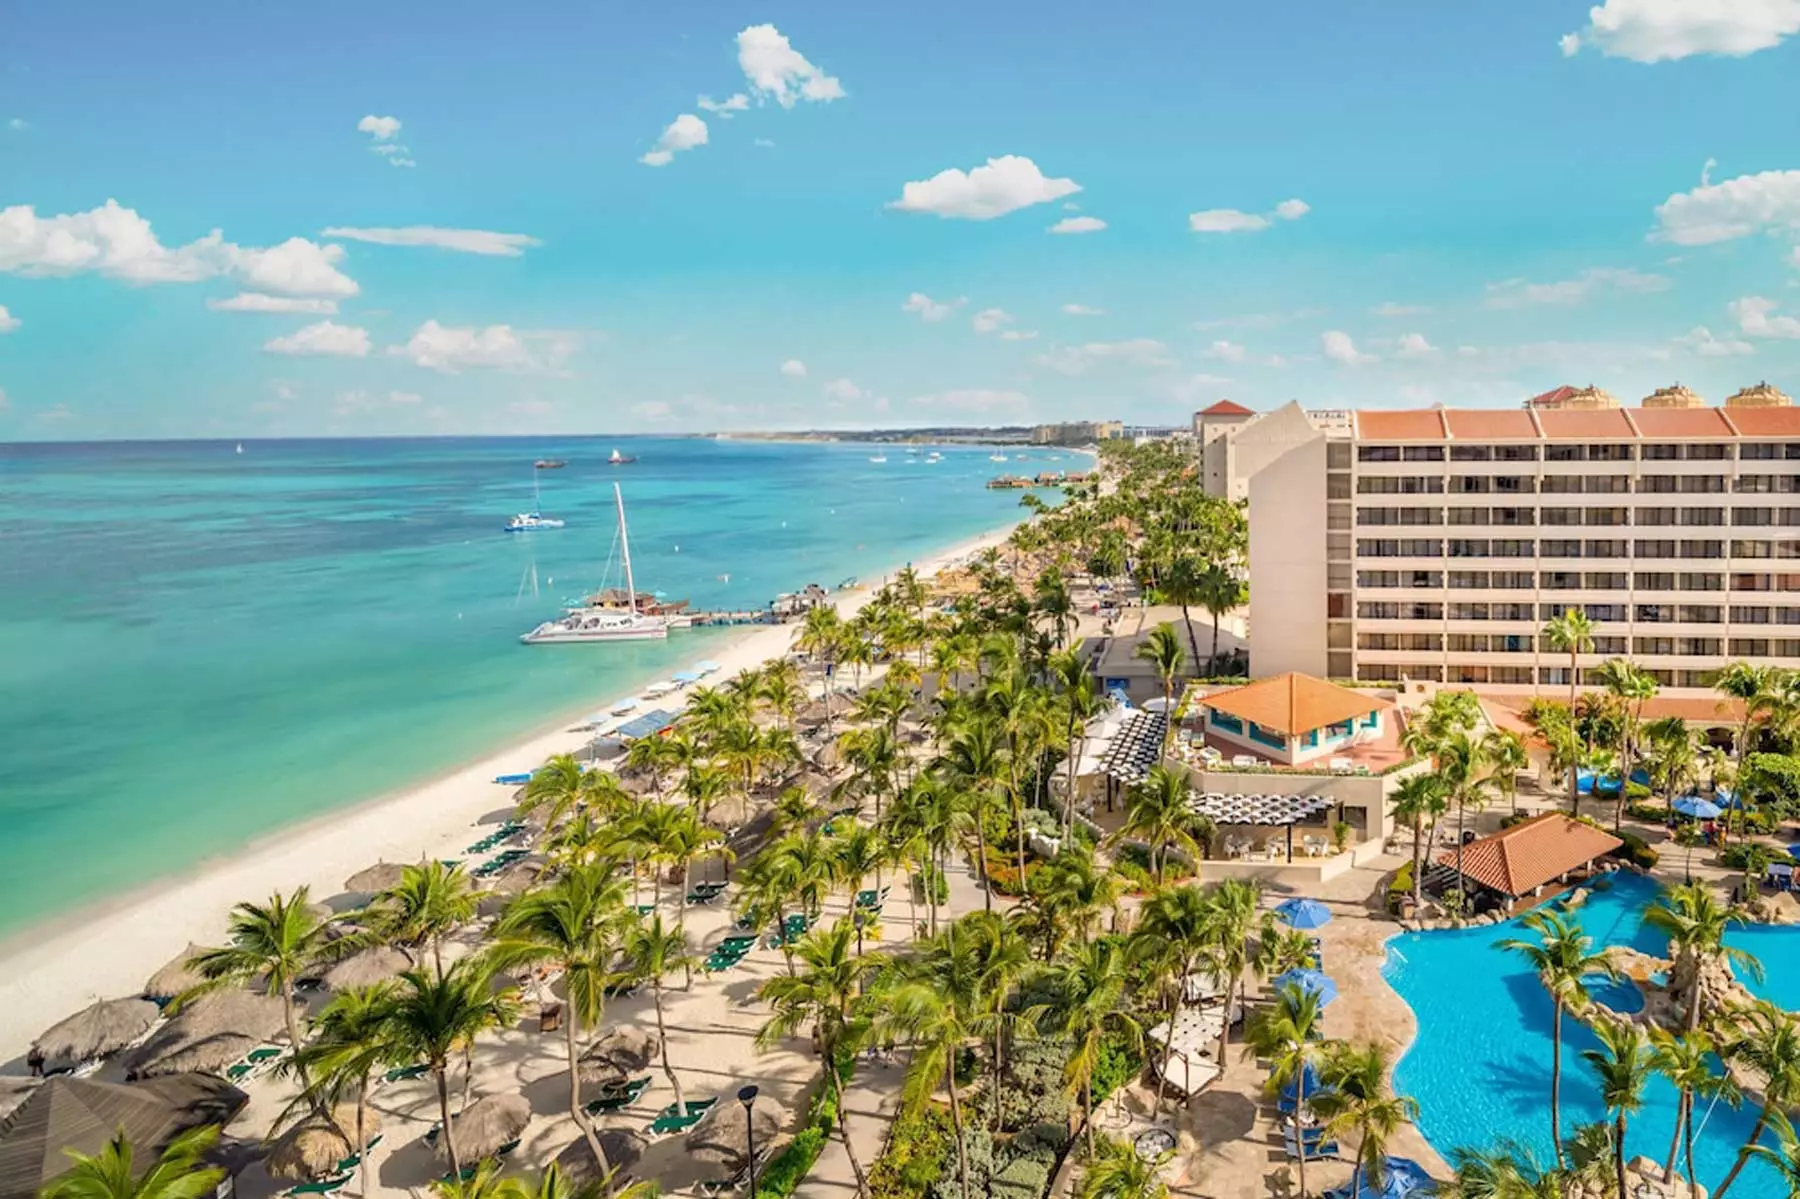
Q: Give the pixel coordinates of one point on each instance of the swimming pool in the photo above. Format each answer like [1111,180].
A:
[1480,1068]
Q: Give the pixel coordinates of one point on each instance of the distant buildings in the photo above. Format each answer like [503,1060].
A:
[1078,432]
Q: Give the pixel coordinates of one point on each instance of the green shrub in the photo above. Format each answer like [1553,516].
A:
[1118,1064]
[788,1168]
[1399,888]
[1022,1178]
[1636,850]
[915,1158]
[1515,818]
[1737,857]
[1650,813]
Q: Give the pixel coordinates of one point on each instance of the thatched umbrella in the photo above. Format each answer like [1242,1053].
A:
[521,876]
[623,1147]
[314,1147]
[828,756]
[637,783]
[487,1124]
[382,876]
[93,1032]
[176,978]
[731,812]
[374,965]
[722,1138]
[620,1052]
[210,1034]
[816,784]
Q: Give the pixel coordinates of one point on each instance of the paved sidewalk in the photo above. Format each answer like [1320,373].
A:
[873,1100]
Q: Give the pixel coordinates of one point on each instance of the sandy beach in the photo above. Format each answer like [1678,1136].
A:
[48,972]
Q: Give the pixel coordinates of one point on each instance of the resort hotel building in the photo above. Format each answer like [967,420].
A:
[1432,545]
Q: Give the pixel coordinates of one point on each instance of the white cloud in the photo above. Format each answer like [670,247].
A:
[451,349]
[843,391]
[1570,44]
[8,322]
[1665,30]
[326,339]
[18,124]
[978,399]
[1702,342]
[793,368]
[1078,224]
[1715,212]
[253,301]
[1232,220]
[1755,318]
[1413,347]
[1019,335]
[929,310]
[1082,310]
[1521,293]
[405,397]
[1224,351]
[1338,347]
[683,133]
[723,109]
[989,320]
[1006,184]
[382,129]
[464,241]
[1139,351]
[778,71]
[1390,308]
[117,242]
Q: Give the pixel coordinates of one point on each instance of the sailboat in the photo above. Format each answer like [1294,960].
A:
[604,624]
[532,521]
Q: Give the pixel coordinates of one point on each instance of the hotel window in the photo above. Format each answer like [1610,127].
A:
[1606,484]
[1561,518]
[1660,453]
[1561,485]
[1698,647]
[1470,485]
[1694,678]
[1653,549]
[1466,516]
[1605,580]
[1562,580]
[1707,452]
[1606,612]
[1751,582]
[1703,549]
[1468,611]
[1753,517]
[1515,453]
[1337,607]
[1512,675]
[1511,643]
[1552,548]
[1423,453]
[1749,647]
[1609,645]
[1416,611]
[1337,486]
[1511,611]
[1656,613]
[1752,549]
[1468,643]
[1468,580]
[1604,549]
[1609,453]
[1378,578]
[1653,581]
[1654,517]
[1754,450]
[1512,549]
[1378,453]
[1565,453]
[1700,613]
[1605,517]
[1709,517]
[1557,676]
[1787,582]
[1337,455]
[1653,645]
[1657,484]
[1429,580]
[1691,581]
[1416,547]
[1512,580]
[1471,453]
[1787,517]
[1513,484]
[1747,615]
[1515,516]
[1698,484]
[1382,610]
[1463,548]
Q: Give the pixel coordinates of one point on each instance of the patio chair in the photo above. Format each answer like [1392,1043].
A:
[1316,1146]
[614,1099]
[320,1186]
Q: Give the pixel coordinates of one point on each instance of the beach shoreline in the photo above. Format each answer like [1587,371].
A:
[108,948]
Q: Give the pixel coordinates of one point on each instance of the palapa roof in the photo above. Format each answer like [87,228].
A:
[83,1115]
[177,977]
[1294,703]
[1515,860]
[95,1031]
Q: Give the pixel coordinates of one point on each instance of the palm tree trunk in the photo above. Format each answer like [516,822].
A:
[575,1109]
[1762,1122]
[987,892]
[317,1102]
[662,1038]
[1193,641]
[1087,1109]
[1681,1117]
[1418,875]
[1619,1150]
[362,1136]
[1300,1136]
[1556,1084]
[962,1151]
[444,1130]
[856,1166]
[1212,664]
[1688,1150]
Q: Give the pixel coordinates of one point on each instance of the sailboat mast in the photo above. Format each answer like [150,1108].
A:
[537,505]
[625,548]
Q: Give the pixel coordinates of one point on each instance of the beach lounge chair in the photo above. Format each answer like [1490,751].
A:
[612,1099]
[402,1073]
[321,1186]
[1316,1144]
[622,990]
[669,1122]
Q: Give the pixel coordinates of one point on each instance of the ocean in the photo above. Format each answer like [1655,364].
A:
[199,645]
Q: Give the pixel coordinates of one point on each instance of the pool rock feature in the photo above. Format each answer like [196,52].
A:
[1779,908]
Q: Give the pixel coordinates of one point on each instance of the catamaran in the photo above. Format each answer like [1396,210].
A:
[618,459]
[532,521]
[604,624]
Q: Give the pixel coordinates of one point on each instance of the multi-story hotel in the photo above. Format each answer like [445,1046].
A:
[1434,544]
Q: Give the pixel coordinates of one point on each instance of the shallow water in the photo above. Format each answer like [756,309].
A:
[198,646]
[1480,1068]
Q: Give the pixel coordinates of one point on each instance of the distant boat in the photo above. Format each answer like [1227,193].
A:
[605,624]
[877,457]
[996,457]
[240,447]
[550,464]
[532,521]
[618,459]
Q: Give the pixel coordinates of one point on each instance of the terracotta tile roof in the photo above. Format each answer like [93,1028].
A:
[1506,709]
[1680,424]
[1514,860]
[1491,424]
[1601,424]
[1294,703]
[1226,408]
[1766,422]
[1419,424]
[1555,395]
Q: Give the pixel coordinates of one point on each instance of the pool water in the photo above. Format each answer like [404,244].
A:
[1480,1068]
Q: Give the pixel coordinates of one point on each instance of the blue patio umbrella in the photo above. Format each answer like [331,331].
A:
[1310,981]
[1727,798]
[1290,1092]
[1304,913]
[1400,1177]
[1698,808]
[686,676]
[707,666]
[1794,851]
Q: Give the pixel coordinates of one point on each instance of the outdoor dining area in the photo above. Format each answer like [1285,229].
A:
[1245,821]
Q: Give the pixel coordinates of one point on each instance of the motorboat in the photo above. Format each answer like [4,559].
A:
[550,464]
[877,457]
[531,522]
[618,459]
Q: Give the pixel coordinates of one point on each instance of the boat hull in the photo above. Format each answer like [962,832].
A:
[594,636]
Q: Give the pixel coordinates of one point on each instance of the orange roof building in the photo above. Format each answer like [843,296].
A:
[1294,718]
[1517,861]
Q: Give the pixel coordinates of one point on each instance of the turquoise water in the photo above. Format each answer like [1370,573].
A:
[200,646]
[1480,1067]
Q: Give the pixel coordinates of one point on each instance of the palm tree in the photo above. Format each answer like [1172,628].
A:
[110,1174]
[976,761]
[1065,896]
[1162,649]
[553,1183]
[1288,1034]
[561,786]
[1631,686]
[1572,634]
[1421,801]
[823,995]
[351,1040]
[1695,921]
[654,952]
[1785,1157]
[1504,752]
[1219,591]
[1624,1066]
[1088,1007]
[857,853]
[998,960]
[1460,762]
[1508,1171]
[275,944]
[931,1009]
[1753,686]
[433,1018]
[1686,1060]
[1120,1173]
[1354,1098]
[430,901]
[1564,959]
[1180,585]
[1079,695]
[1157,811]
[574,923]
[1235,919]
[1769,1044]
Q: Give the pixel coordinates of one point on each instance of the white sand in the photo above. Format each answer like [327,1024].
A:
[49,973]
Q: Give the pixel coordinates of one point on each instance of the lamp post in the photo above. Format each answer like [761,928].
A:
[747,1097]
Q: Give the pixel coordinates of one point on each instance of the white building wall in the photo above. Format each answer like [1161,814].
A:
[1283,458]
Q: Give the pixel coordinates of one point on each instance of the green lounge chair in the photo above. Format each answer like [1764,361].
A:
[402,1073]
[616,1099]
[321,1186]
[693,1105]
[257,1057]
[663,1125]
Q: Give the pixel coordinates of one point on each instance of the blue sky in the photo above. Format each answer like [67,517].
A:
[452,218]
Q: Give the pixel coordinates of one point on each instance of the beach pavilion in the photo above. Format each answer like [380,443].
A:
[1519,862]
[1293,719]
[1263,811]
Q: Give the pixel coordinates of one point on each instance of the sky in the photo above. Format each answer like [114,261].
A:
[230,220]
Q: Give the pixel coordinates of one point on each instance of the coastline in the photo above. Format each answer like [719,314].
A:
[51,969]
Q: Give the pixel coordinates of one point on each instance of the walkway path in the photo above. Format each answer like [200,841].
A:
[873,1100]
